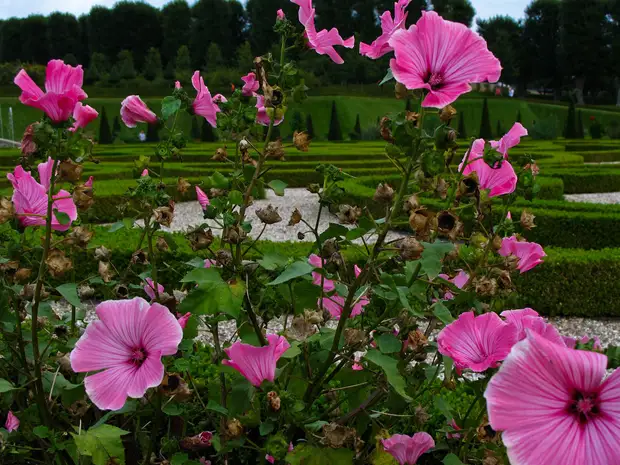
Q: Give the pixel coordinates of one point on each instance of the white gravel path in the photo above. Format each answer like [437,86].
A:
[606,197]
[188,215]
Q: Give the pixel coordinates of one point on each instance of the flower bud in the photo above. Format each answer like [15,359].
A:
[7,210]
[527,220]
[102,253]
[69,171]
[410,248]
[105,271]
[200,239]
[384,193]
[58,263]
[220,154]
[478,241]
[275,150]
[301,140]
[447,113]
[183,185]
[268,215]
[497,243]
[295,218]
[273,400]
[348,214]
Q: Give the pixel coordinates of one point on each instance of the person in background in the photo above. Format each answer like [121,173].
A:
[142,136]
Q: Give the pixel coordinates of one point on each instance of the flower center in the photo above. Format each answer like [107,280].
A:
[138,356]
[435,80]
[584,406]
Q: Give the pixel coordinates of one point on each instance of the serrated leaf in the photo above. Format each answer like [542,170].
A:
[390,368]
[102,443]
[278,187]
[202,275]
[211,298]
[169,106]
[69,292]
[293,271]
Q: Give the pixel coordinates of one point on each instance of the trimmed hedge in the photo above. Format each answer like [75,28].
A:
[588,179]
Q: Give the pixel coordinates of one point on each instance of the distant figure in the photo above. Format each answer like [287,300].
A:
[511,92]
[498,91]
[142,136]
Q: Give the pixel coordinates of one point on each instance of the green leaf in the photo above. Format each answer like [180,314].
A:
[202,275]
[196,262]
[213,405]
[61,217]
[179,459]
[218,181]
[613,357]
[116,226]
[272,261]
[235,198]
[130,406]
[334,230]
[452,459]
[292,351]
[278,187]
[305,454]
[265,428]
[172,409]
[442,313]
[388,344]
[69,292]
[390,368]
[102,443]
[41,431]
[6,386]
[169,106]
[388,77]
[211,298]
[433,255]
[316,425]
[293,271]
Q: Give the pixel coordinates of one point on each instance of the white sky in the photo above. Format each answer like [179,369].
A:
[21,8]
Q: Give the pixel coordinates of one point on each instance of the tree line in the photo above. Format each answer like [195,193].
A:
[560,48]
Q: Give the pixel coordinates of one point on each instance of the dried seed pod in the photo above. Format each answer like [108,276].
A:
[447,113]
[83,197]
[273,400]
[295,218]
[105,271]
[58,263]
[7,210]
[85,291]
[164,215]
[337,436]
[22,275]
[348,214]
[200,239]
[485,286]
[527,220]
[223,257]
[386,130]
[410,248]
[301,140]
[140,257]
[442,189]
[234,429]
[81,236]
[420,220]
[234,235]
[384,193]
[416,340]
[269,215]
[300,329]
[469,186]
[183,185]
[102,253]
[275,150]
[400,91]
[411,204]
[173,385]
[161,244]
[70,171]
[355,337]
[220,154]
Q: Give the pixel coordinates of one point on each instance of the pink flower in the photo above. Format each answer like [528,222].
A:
[63,90]
[206,437]
[257,364]
[318,278]
[280,16]
[545,390]
[511,139]
[150,288]
[204,461]
[209,263]
[528,319]
[477,342]
[270,458]
[460,280]
[251,85]
[89,183]
[529,253]
[145,173]
[509,216]
[357,270]
[125,346]
[455,427]
[335,305]
[389,26]
[83,116]
[177,85]
[203,199]
[500,180]
[204,105]
[408,449]
[30,198]
[596,342]
[357,366]
[134,111]
[262,117]
[219,98]
[183,319]
[291,447]
[12,422]
[442,57]
[321,42]
[569,342]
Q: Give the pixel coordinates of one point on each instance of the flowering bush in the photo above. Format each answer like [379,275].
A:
[388,351]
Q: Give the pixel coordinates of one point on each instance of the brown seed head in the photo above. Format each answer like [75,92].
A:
[268,215]
[58,263]
[220,154]
[70,171]
[275,150]
[410,248]
[447,113]
[348,214]
[301,140]
[527,220]
[384,193]
[7,210]
[183,185]
[200,239]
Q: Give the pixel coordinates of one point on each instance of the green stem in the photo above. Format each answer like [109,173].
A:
[149,239]
[154,429]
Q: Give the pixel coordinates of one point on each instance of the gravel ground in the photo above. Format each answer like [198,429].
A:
[607,329]
[607,197]
[188,215]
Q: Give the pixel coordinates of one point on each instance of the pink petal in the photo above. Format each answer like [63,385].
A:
[262,117]
[510,140]
[203,199]
[500,180]
[149,289]
[408,449]
[280,15]
[83,115]
[134,111]
[184,319]
[89,183]
[477,342]
[145,173]
[442,57]
[203,104]
[516,317]
[389,26]
[45,172]
[305,10]
[108,389]
[12,422]
[251,85]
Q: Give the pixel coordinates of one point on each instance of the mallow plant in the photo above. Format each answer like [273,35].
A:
[370,349]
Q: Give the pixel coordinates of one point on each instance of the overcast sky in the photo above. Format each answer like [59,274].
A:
[8,8]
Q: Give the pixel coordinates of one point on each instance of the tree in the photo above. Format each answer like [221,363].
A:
[261,15]
[116,128]
[335,133]
[245,57]
[462,132]
[485,123]
[214,58]
[176,19]
[97,68]
[63,35]
[101,32]
[499,130]
[183,64]
[310,126]
[195,132]
[357,129]
[519,119]
[125,66]
[152,133]
[297,122]
[10,40]
[211,23]
[70,59]
[570,129]
[33,36]
[207,134]
[105,136]
[460,11]
[503,36]
[152,65]
[580,130]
